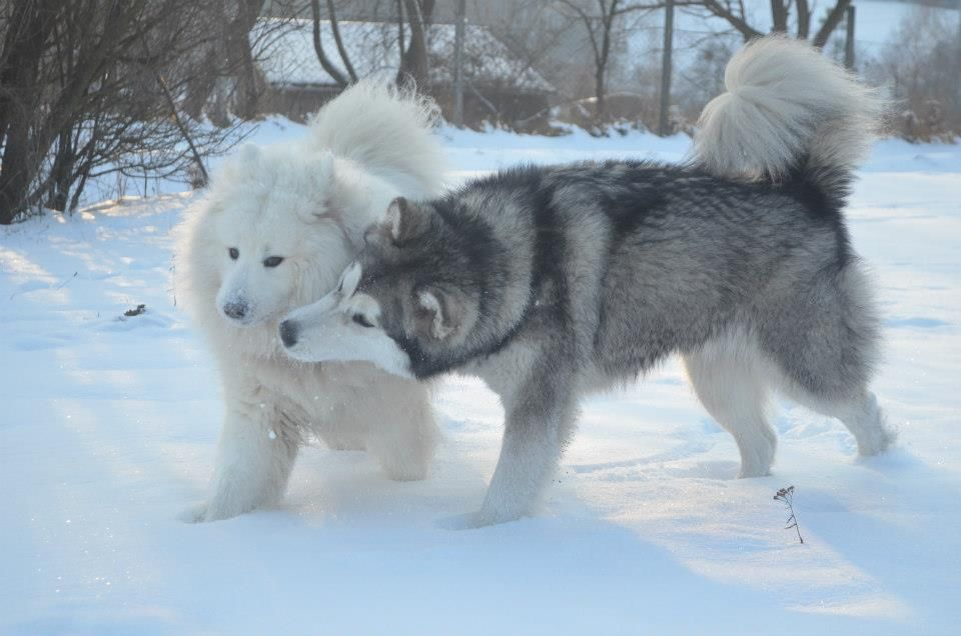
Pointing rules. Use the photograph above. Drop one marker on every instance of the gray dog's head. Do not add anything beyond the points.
(407, 304)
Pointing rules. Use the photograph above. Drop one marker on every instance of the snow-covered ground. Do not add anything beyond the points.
(107, 431)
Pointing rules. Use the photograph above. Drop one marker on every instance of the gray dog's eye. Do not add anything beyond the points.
(234, 253)
(273, 261)
(361, 320)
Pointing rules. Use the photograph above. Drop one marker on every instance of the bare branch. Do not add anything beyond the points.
(746, 30)
(833, 19)
(325, 62)
(335, 27)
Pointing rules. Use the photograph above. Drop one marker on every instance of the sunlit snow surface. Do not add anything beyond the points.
(108, 429)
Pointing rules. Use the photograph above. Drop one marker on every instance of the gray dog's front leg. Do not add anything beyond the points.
(540, 418)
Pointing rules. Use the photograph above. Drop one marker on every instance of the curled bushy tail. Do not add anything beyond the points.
(386, 129)
(788, 110)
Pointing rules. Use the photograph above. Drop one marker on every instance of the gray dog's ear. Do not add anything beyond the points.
(404, 221)
(439, 314)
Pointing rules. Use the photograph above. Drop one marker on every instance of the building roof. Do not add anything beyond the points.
(285, 52)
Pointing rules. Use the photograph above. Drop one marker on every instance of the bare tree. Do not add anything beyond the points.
(414, 68)
(735, 15)
(600, 19)
(93, 87)
(413, 22)
(919, 67)
(535, 33)
(339, 77)
(240, 57)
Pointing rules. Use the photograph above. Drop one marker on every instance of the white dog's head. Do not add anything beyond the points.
(276, 233)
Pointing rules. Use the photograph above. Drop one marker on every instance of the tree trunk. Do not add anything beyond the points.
(779, 15)
(335, 28)
(600, 69)
(242, 58)
(62, 171)
(30, 26)
(18, 167)
(414, 70)
(664, 113)
(325, 62)
(803, 19)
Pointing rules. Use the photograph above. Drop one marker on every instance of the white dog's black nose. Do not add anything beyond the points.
(288, 333)
(237, 311)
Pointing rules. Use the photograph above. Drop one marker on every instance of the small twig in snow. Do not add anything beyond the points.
(787, 496)
(140, 309)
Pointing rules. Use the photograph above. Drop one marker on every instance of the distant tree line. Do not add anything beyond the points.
(146, 89)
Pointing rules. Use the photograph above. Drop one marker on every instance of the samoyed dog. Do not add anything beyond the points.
(278, 226)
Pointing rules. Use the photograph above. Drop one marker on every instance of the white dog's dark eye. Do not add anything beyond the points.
(234, 253)
(361, 320)
(273, 261)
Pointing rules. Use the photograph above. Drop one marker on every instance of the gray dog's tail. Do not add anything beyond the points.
(789, 111)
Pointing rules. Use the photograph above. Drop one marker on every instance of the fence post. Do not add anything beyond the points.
(459, 63)
(664, 120)
(849, 39)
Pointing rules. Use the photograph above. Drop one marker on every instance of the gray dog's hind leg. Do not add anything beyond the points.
(727, 379)
(860, 414)
(825, 345)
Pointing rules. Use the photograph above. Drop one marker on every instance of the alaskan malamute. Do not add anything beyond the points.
(553, 281)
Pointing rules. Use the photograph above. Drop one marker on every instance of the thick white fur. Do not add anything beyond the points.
(309, 203)
(785, 100)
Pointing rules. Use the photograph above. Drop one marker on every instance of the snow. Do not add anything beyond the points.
(108, 430)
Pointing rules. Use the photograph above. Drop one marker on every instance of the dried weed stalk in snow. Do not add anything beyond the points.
(787, 496)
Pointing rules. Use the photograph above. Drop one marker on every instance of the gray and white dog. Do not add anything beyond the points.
(550, 282)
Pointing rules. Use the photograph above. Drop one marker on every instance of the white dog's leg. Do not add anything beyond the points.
(254, 458)
(727, 380)
(540, 419)
(403, 432)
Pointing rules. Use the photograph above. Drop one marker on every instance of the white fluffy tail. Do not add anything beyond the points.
(388, 131)
(788, 110)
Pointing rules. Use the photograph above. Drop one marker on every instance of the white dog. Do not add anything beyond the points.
(277, 228)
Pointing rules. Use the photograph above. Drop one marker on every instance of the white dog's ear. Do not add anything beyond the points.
(404, 221)
(438, 314)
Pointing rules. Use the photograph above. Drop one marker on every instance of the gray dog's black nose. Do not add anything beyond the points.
(235, 310)
(288, 333)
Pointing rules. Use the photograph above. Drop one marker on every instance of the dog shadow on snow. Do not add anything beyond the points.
(632, 535)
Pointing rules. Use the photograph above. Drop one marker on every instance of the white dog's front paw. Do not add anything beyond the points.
(213, 511)
(194, 514)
